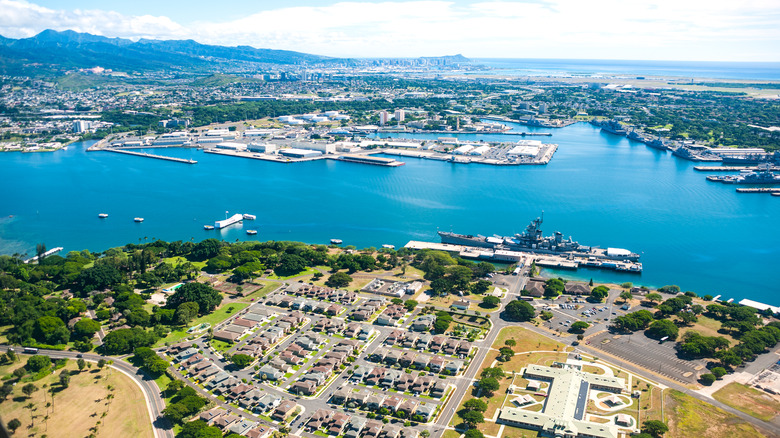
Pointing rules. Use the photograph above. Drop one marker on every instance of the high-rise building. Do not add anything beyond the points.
(384, 117)
(80, 126)
(399, 115)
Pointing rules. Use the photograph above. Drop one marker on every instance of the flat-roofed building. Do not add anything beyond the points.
(563, 412)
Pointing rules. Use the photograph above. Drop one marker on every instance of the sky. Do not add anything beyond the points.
(682, 30)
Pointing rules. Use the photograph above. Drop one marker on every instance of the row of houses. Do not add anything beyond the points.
(246, 321)
(263, 341)
(231, 423)
(426, 341)
(325, 367)
(339, 423)
(410, 359)
(222, 383)
(366, 310)
(399, 380)
(306, 305)
(391, 315)
(371, 401)
(322, 293)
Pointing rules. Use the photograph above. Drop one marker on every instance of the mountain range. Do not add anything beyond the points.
(57, 51)
(52, 53)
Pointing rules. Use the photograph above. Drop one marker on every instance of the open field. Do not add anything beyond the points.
(689, 417)
(222, 313)
(267, 287)
(526, 340)
(81, 406)
(748, 400)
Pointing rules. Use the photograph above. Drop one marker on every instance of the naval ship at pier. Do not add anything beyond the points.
(533, 241)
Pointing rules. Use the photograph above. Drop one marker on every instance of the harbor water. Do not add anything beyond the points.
(601, 189)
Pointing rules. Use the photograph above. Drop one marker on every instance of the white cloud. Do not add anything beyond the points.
(606, 29)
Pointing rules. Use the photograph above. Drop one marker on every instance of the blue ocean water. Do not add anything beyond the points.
(628, 68)
(600, 189)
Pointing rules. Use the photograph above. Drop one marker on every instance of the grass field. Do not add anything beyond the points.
(305, 275)
(689, 417)
(81, 406)
(222, 313)
(526, 340)
(748, 400)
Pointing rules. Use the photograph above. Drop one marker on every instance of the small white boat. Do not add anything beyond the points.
(103, 215)
(336, 241)
(386, 246)
(250, 217)
(138, 219)
(251, 232)
(208, 227)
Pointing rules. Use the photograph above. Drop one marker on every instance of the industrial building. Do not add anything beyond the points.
(480, 150)
(563, 413)
(299, 153)
(233, 146)
(265, 148)
(463, 150)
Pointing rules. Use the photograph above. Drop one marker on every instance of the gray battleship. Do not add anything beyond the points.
(533, 241)
(761, 175)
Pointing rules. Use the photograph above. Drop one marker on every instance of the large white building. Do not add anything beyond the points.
(265, 148)
(233, 146)
(399, 115)
(384, 117)
(563, 413)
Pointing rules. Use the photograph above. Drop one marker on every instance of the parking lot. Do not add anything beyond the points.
(660, 358)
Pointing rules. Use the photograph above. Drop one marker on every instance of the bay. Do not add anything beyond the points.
(631, 68)
(602, 190)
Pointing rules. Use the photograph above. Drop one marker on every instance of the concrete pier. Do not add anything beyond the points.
(159, 157)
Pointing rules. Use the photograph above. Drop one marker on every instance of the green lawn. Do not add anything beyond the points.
(173, 261)
(214, 318)
(308, 271)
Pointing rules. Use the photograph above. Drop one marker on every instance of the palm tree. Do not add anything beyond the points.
(31, 406)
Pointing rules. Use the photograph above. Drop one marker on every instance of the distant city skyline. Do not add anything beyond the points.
(684, 30)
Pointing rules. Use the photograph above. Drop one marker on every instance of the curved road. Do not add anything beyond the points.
(154, 402)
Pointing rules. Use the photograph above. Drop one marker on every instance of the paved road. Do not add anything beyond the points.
(154, 402)
(464, 383)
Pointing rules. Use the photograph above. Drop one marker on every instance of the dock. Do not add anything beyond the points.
(771, 190)
(526, 258)
(46, 254)
(143, 154)
(729, 168)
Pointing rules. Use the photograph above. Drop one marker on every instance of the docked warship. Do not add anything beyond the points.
(762, 174)
(533, 241)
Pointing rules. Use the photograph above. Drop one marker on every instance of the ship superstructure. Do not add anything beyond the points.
(532, 240)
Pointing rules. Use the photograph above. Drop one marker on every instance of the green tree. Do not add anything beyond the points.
(488, 385)
(490, 302)
(707, 379)
(186, 312)
(81, 363)
(719, 372)
(553, 287)
(626, 295)
(51, 330)
(474, 433)
(661, 329)
(339, 280)
(410, 305)
(505, 353)
(28, 389)
(290, 264)
(14, 424)
(519, 310)
(64, 379)
(599, 293)
(204, 295)
(579, 326)
(494, 372)
(86, 328)
(654, 297)
(655, 428)
(242, 360)
(38, 362)
(472, 418)
(480, 287)
(475, 404)
(6, 390)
